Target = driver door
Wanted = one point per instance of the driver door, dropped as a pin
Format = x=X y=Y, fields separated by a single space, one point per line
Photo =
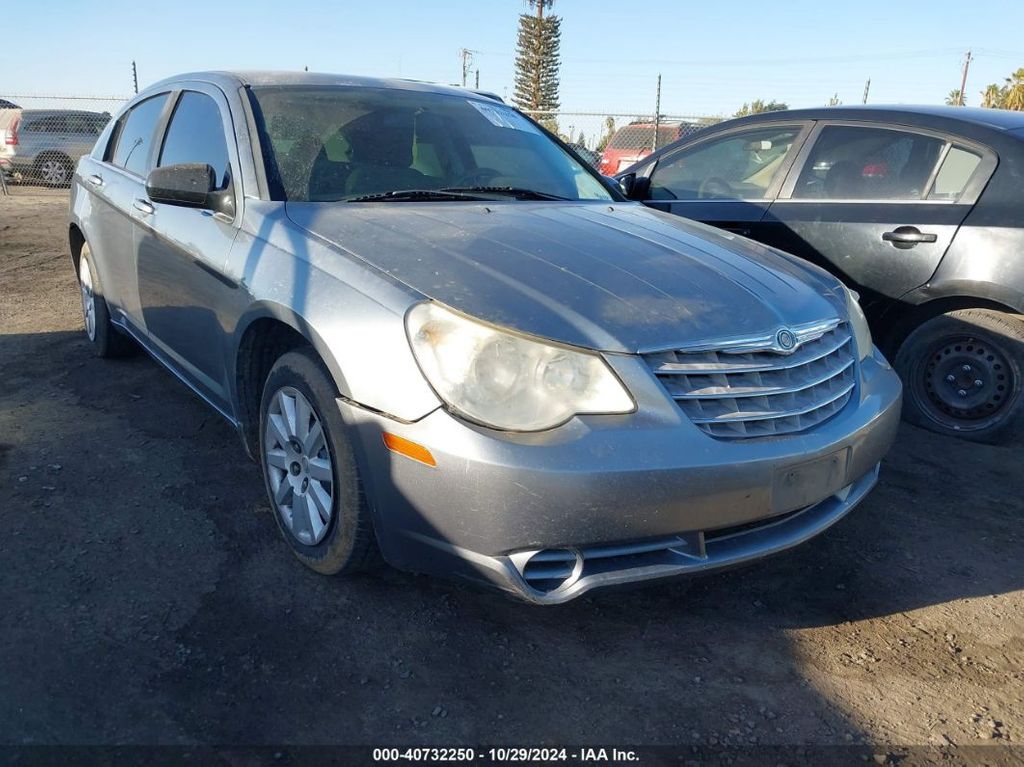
x=726 y=179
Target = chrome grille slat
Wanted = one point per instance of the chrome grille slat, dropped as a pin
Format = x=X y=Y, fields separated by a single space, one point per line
x=757 y=393
x=710 y=367
x=738 y=392
x=764 y=415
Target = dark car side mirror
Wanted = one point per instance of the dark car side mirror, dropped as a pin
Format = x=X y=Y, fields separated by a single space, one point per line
x=189 y=185
x=633 y=186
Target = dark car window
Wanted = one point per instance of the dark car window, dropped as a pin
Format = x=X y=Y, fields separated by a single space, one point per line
x=861 y=163
x=196 y=134
x=54 y=123
x=135 y=135
x=84 y=123
x=336 y=142
x=736 y=166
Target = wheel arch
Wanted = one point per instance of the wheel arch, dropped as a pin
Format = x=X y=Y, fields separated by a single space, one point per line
x=76 y=241
x=918 y=307
x=264 y=333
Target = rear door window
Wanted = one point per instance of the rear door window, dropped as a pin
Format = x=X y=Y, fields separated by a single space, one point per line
x=134 y=138
x=196 y=135
x=866 y=163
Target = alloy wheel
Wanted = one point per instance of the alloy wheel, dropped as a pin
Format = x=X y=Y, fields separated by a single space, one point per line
x=53 y=172
x=299 y=466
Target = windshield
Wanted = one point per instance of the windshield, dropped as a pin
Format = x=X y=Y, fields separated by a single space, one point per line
x=346 y=143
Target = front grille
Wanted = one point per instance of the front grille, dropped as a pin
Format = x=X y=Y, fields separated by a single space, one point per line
x=750 y=388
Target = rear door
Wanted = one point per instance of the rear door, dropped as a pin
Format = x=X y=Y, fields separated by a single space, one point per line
x=727 y=179
x=115 y=184
x=877 y=204
x=181 y=252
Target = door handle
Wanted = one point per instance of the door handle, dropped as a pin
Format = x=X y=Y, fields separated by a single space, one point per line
x=96 y=181
x=904 y=237
x=144 y=206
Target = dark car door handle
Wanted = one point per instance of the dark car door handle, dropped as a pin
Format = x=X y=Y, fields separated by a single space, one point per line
x=908 y=236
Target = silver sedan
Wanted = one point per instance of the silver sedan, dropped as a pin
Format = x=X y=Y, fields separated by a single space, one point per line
x=450 y=343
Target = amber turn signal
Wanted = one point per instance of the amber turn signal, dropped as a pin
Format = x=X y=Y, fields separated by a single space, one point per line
x=408 y=448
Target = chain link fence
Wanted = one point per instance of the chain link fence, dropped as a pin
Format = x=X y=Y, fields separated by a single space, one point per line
x=42 y=137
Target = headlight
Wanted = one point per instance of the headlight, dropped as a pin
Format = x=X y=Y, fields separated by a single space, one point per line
x=859 y=324
x=507 y=381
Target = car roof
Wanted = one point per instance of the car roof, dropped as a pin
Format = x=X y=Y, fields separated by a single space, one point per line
x=233 y=79
x=996 y=119
x=27 y=114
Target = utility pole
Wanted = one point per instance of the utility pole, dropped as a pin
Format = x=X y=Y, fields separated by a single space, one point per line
x=657 y=114
x=135 y=76
x=867 y=87
x=467 y=61
x=963 y=80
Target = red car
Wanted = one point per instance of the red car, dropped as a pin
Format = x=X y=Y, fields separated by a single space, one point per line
x=631 y=143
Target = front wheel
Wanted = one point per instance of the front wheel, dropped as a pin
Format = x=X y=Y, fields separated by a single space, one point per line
x=309 y=468
x=962 y=375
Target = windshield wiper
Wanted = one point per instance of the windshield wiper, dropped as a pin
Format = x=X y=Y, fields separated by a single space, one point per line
x=412 y=195
x=510 y=191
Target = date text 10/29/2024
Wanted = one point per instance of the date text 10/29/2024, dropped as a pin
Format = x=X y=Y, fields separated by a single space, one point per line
x=527 y=754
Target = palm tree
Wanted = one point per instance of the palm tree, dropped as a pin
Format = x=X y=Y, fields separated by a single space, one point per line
x=992 y=97
x=954 y=99
x=1014 y=98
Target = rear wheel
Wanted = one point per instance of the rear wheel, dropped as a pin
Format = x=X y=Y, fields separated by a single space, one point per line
x=106 y=339
x=310 y=471
x=54 y=170
x=962 y=375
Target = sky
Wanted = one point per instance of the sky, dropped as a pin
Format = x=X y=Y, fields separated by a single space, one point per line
x=712 y=56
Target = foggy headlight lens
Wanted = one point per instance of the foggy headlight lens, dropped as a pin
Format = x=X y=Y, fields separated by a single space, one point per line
x=506 y=381
x=859 y=325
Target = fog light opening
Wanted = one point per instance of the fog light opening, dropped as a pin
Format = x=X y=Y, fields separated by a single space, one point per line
x=551 y=570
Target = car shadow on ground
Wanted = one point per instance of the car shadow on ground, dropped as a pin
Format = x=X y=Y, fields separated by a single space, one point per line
x=152 y=598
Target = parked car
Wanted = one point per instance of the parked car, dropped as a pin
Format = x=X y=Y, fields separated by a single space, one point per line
x=591 y=156
x=635 y=141
x=5 y=104
x=45 y=144
x=920 y=209
x=446 y=340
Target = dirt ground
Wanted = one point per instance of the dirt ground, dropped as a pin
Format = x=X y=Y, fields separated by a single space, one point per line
x=147 y=598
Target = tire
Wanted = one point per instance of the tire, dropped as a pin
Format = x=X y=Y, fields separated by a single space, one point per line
x=55 y=170
x=313 y=484
x=107 y=340
x=962 y=375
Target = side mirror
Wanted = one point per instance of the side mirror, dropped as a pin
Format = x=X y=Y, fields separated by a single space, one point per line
x=188 y=185
x=627 y=184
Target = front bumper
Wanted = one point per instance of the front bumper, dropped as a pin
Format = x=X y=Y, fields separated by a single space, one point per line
x=615 y=499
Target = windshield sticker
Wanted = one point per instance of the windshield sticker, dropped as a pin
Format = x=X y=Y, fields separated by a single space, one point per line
x=503 y=117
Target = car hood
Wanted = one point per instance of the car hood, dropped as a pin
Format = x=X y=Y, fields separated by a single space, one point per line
x=617 y=277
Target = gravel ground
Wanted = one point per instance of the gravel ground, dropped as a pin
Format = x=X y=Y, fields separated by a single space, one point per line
x=147 y=598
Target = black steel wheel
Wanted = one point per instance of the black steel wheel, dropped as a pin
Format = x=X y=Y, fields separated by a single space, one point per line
x=962 y=375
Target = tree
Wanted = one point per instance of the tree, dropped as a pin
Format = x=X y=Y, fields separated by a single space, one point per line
x=757 y=106
x=954 y=99
x=1014 y=91
x=537 y=61
x=992 y=97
